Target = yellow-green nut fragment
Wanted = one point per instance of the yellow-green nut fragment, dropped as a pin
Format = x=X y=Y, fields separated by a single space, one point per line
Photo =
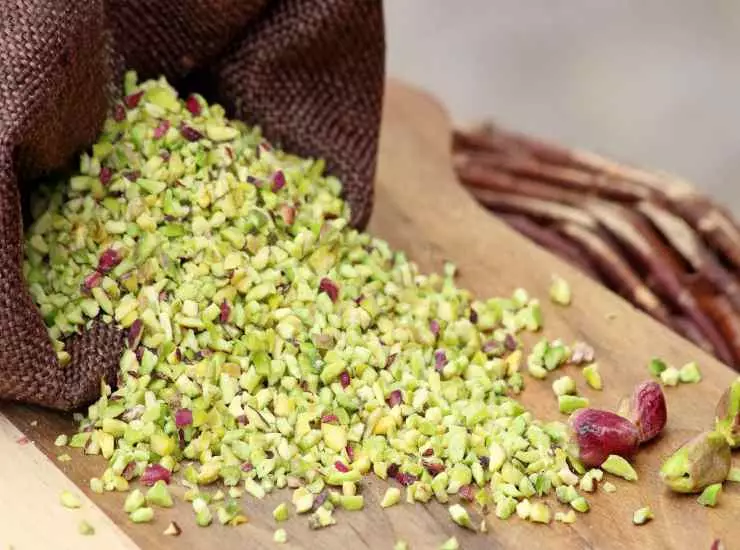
x=281 y=513
x=566 y=517
x=401 y=545
x=593 y=376
x=61 y=440
x=302 y=500
x=134 y=501
x=618 y=466
x=460 y=516
x=96 y=485
x=570 y=403
x=352 y=502
x=391 y=497
x=69 y=499
x=565 y=385
x=159 y=495
x=322 y=517
x=642 y=515
x=710 y=494
x=670 y=376
x=450 y=544
x=142 y=515
x=84 y=528
x=560 y=292
x=734 y=475
x=539 y=513
x=689 y=373
x=254 y=488
x=280 y=536
x=203 y=515
x=579 y=504
x=608 y=487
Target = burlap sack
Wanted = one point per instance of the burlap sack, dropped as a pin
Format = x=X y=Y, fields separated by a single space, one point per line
x=310 y=72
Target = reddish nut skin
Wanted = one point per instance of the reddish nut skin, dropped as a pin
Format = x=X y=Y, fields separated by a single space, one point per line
x=648 y=410
x=603 y=433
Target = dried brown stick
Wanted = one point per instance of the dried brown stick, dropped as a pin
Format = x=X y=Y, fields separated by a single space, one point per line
x=685 y=240
x=613 y=268
x=562 y=176
x=552 y=241
x=660 y=261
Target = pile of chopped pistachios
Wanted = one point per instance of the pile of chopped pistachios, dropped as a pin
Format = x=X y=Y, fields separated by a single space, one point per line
x=270 y=345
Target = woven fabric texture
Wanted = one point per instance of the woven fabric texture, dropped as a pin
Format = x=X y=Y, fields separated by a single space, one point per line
x=309 y=72
x=649 y=236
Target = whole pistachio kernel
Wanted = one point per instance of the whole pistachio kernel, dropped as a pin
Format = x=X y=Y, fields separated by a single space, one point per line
x=270 y=344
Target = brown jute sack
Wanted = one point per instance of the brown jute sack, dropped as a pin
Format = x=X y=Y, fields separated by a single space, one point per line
x=309 y=72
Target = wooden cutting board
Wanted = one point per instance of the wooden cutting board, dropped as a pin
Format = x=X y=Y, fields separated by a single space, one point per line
x=421 y=209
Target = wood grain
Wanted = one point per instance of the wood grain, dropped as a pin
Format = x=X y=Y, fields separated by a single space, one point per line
x=421 y=209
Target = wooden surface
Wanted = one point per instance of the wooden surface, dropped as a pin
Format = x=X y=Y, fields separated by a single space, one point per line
x=420 y=209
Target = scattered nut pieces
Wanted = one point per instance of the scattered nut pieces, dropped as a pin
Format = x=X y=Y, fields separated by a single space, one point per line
x=608 y=487
x=564 y=385
x=401 y=545
x=450 y=544
x=281 y=513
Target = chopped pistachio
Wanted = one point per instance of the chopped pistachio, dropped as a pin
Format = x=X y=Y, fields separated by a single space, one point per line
x=280 y=536
x=69 y=499
x=689 y=373
x=401 y=545
x=564 y=385
x=539 y=513
x=560 y=292
x=642 y=515
x=593 y=376
x=64 y=457
x=392 y=496
x=321 y=518
x=203 y=515
x=608 y=487
x=710 y=494
x=158 y=495
x=460 y=516
x=142 y=515
x=268 y=341
x=280 y=513
x=450 y=544
x=352 y=502
x=566 y=517
x=61 y=440
x=618 y=466
x=97 y=486
x=734 y=475
x=580 y=504
x=570 y=403
x=657 y=366
x=84 y=528
x=670 y=376
x=134 y=501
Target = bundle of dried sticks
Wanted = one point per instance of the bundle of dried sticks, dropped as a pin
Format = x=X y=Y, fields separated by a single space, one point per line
x=649 y=236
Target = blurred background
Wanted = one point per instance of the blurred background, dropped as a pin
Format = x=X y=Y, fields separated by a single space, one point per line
x=651 y=82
